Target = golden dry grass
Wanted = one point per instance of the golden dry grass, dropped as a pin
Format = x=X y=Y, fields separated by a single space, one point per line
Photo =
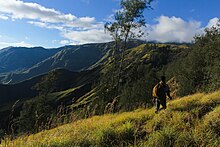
x=189 y=121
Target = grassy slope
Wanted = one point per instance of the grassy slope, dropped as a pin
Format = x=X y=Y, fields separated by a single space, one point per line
x=189 y=121
x=81 y=81
x=65 y=97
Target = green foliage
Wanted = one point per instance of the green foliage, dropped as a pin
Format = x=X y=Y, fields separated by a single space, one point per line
x=34 y=116
x=63 y=83
x=2 y=133
x=129 y=17
x=137 y=94
x=171 y=127
x=199 y=71
x=127 y=21
x=142 y=67
x=27 y=118
x=48 y=83
x=36 y=113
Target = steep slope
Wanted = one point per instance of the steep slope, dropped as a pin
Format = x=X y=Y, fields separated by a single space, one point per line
x=73 y=58
x=69 y=86
x=66 y=79
x=142 y=67
x=134 y=59
x=20 y=58
x=189 y=121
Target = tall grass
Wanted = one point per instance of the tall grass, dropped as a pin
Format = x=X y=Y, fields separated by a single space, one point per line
x=189 y=121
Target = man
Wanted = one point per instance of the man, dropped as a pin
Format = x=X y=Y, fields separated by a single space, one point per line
x=160 y=91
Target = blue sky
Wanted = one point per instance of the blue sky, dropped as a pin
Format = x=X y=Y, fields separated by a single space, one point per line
x=56 y=23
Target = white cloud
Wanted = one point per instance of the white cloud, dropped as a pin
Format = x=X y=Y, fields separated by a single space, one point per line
x=212 y=22
x=88 y=36
x=167 y=29
x=46 y=25
x=18 y=10
x=43 y=17
x=54 y=41
x=80 y=30
x=64 y=42
x=17 y=44
x=3 y=17
x=174 y=29
x=87 y=19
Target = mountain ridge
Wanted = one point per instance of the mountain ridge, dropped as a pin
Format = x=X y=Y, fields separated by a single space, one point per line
x=71 y=57
x=13 y=59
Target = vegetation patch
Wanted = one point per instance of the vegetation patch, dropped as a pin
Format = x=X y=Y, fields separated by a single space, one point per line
x=141 y=127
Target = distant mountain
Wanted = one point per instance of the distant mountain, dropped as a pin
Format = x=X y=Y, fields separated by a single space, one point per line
x=73 y=58
x=20 y=58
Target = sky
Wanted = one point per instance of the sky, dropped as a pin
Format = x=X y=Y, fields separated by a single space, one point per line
x=55 y=23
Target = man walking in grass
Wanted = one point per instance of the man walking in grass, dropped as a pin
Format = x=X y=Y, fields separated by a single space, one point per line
x=160 y=92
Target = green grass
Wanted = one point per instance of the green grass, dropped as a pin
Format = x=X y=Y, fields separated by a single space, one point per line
x=53 y=98
x=189 y=121
x=63 y=94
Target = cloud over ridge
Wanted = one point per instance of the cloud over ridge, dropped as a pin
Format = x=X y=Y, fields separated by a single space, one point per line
x=80 y=30
x=174 y=29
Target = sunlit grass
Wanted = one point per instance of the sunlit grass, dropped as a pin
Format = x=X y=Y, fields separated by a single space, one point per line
x=188 y=121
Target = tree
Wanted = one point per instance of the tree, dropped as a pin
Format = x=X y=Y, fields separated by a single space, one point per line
x=199 y=71
x=47 y=84
x=35 y=113
x=127 y=25
x=27 y=118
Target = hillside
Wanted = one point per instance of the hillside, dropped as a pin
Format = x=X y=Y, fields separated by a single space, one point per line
x=145 y=54
x=79 y=91
x=21 y=58
x=142 y=66
x=141 y=69
x=68 y=85
x=73 y=58
x=189 y=121
x=66 y=80
x=99 y=73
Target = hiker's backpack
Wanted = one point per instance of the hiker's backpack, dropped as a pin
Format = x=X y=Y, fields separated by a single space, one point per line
x=158 y=90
